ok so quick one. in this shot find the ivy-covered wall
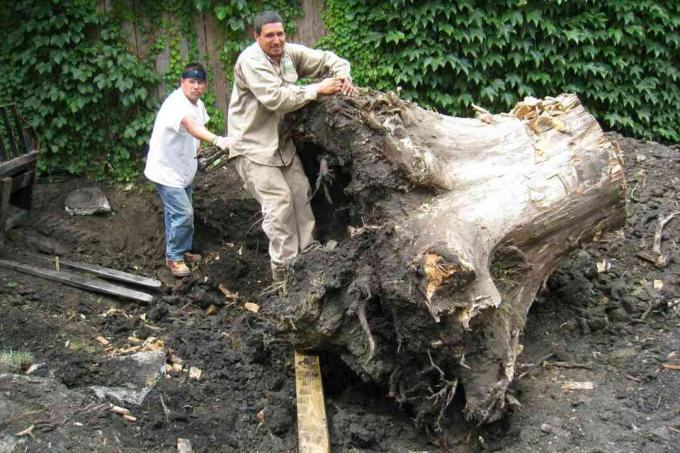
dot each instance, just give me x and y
(92, 96)
(621, 57)
(85, 95)
(85, 73)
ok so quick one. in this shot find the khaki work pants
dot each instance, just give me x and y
(283, 193)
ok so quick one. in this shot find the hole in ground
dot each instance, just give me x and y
(330, 204)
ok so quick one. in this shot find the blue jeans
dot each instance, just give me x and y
(179, 220)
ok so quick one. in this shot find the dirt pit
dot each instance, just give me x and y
(600, 371)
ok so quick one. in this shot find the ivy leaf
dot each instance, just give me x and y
(75, 103)
(43, 67)
(236, 24)
(644, 115)
(636, 31)
(395, 36)
(574, 35)
(447, 29)
(222, 11)
(465, 99)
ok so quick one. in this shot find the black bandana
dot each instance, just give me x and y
(194, 74)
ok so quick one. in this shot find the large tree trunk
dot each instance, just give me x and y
(446, 229)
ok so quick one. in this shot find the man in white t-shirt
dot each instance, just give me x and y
(172, 164)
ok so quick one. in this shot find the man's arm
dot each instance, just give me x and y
(202, 133)
(317, 63)
(266, 86)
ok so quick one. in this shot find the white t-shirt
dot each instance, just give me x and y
(172, 150)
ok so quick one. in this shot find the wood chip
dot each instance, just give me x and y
(119, 410)
(172, 358)
(129, 417)
(658, 284)
(603, 266)
(184, 446)
(671, 366)
(153, 344)
(134, 340)
(210, 310)
(647, 256)
(27, 432)
(195, 373)
(251, 307)
(227, 294)
(128, 350)
(103, 341)
(587, 385)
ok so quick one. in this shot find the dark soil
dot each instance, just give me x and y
(613, 327)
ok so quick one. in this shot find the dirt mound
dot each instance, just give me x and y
(606, 319)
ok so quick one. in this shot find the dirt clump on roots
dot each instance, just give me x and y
(598, 372)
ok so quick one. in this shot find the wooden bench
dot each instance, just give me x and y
(18, 161)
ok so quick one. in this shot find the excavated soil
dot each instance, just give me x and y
(600, 370)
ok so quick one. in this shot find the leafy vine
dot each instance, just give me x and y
(620, 57)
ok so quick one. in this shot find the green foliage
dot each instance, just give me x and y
(620, 57)
(236, 18)
(92, 101)
(89, 99)
(15, 361)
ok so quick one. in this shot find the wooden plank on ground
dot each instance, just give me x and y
(78, 281)
(311, 410)
(112, 274)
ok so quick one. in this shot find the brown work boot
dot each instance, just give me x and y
(192, 258)
(178, 268)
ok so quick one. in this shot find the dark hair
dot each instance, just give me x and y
(266, 17)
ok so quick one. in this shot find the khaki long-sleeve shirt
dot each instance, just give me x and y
(265, 91)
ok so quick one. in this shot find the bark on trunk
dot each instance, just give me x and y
(446, 229)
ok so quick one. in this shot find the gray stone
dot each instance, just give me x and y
(361, 437)
(142, 369)
(618, 315)
(10, 443)
(597, 322)
(619, 357)
(550, 429)
(618, 289)
(87, 201)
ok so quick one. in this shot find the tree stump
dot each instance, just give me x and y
(446, 228)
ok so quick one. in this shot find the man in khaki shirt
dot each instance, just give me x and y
(264, 91)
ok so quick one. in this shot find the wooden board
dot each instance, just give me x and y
(18, 164)
(112, 274)
(5, 194)
(14, 217)
(311, 411)
(78, 281)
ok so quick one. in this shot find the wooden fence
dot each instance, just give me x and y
(210, 39)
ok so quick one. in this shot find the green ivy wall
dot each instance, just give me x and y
(620, 56)
(69, 66)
